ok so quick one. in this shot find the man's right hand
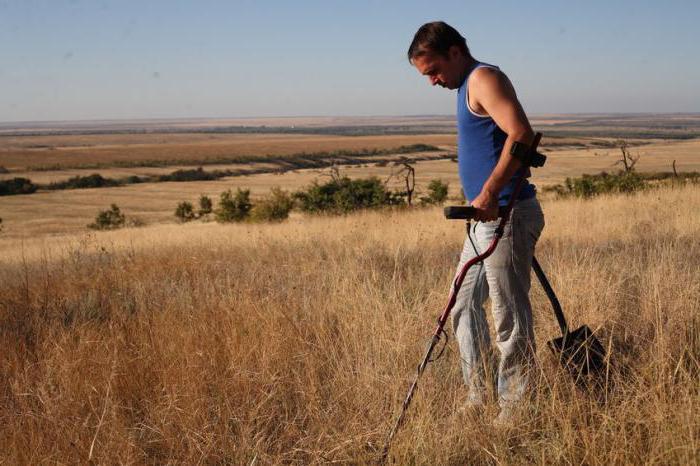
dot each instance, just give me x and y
(486, 206)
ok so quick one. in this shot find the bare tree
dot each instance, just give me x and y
(409, 177)
(333, 172)
(627, 160)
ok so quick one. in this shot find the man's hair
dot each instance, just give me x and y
(436, 37)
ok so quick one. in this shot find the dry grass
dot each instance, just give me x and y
(295, 343)
(656, 156)
(68, 211)
(264, 165)
(61, 212)
(17, 154)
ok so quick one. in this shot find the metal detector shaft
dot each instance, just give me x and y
(456, 285)
(436, 334)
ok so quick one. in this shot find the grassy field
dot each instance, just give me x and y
(295, 343)
(23, 154)
(61, 212)
(54, 152)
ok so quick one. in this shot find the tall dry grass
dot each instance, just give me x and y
(295, 343)
(104, 151)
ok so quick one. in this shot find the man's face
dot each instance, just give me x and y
(444, 71)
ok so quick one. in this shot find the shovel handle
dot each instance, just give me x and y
(561, 320)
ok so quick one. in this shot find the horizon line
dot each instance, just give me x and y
(7, 123)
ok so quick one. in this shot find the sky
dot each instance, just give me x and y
(103, 59)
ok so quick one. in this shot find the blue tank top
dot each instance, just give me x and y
(479, 145)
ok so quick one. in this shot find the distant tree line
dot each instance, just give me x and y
(356, 130)
(298, 161)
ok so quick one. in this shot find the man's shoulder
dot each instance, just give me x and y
(485, 75)
(486, 82)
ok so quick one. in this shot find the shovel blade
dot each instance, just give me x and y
(580, 352)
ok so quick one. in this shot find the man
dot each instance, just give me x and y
(489, 120)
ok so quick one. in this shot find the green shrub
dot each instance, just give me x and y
(437, 192)
(680, 177)
(581, 187)
(82, 182)
(109, 219)
(416, 148)
(273, 208)
(197, 174)
(342, 195)
(133, 179)
(184, 211)
(17, 186)
(205, 205)
(359, 194)
(587, 186)
(233, 208)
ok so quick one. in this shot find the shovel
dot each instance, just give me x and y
(579, 351)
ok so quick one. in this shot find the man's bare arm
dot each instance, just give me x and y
(494, 95)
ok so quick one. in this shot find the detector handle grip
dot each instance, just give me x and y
(467, 212)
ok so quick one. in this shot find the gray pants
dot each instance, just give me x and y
(505, 277)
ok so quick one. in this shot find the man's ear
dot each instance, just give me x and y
(454, 52)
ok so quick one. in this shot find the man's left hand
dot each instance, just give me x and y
(486, 207)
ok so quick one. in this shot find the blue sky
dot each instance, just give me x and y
(103, 59)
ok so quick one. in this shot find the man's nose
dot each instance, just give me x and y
(433, 80)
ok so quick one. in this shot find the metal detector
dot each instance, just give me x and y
(529, 157)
